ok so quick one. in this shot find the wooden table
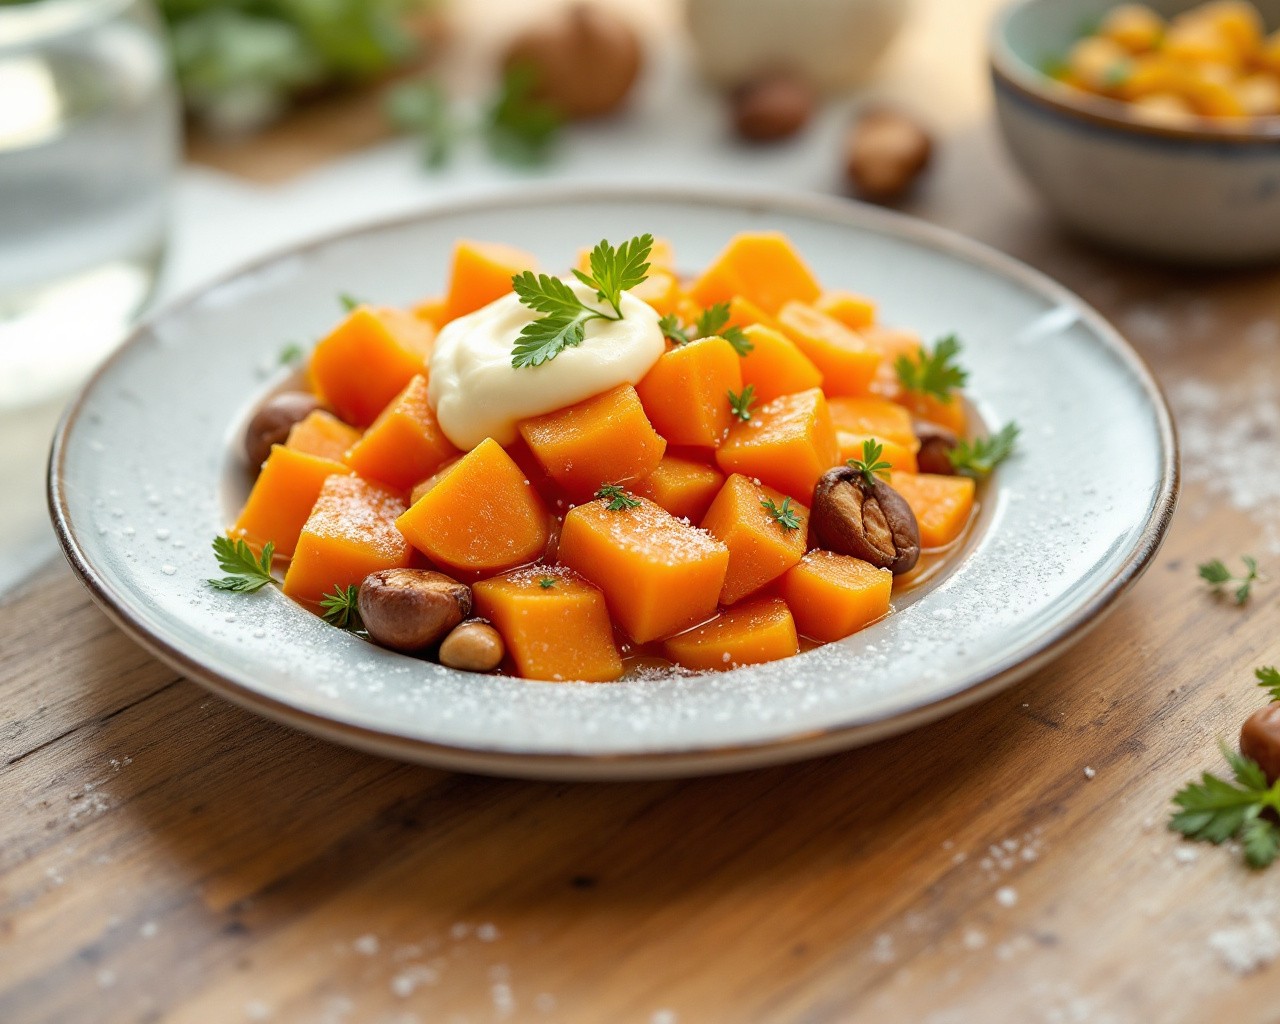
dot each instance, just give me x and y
(167, 856)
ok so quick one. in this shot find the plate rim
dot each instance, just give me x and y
(676, 762)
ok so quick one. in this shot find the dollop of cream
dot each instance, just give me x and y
(477, 393)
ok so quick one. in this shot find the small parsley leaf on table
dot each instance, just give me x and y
(1268, 677)
(1214, 810)
(341, 607)
(933, 372)
(1218, 576)
(246, 572)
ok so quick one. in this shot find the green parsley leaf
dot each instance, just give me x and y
(290, 354)
(350, 302)
(736, 337)
(670, 327)
(785, 515)
(871, 465)
(1269, 679)
(933, 372)
(618, 499)
(711, 319)
(741, 402)
(547, 582)
(1218, 576)
(977, 458)
(422, 108)
(614, 271)
(545, 294)
(1215, 810)
(246, 572)
(543, 340)
(341, 607)
(520, 128)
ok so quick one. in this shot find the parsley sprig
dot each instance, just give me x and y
(740, 402)
(1269, 679)
(246, 572)
(349, 302)
(871, 464)
(710, 323)
(1214, 810)
(613, 271)
(977, 458)
(619, 500)
(547, 582)
(341, 607)
(933, 372)
(1219, 577)
(785, 515)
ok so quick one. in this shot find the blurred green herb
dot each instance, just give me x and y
(1214, 810)
(341, 607)
(421, 108)
(291, 354)
(1218, 576)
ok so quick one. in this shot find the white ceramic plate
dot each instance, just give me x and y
(144, 474)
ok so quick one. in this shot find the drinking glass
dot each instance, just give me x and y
(89, 137)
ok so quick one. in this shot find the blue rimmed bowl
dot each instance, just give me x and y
(1206, 194)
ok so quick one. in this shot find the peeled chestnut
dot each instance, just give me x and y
(411, 609)
(273, 421)
(870, 521)
(886, 152)
(583, 59)
(936, 445)
(772, 106)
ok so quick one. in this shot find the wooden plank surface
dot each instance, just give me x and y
(167, 856)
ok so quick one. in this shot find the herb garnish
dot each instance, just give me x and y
(349, 301)
(547, 582)
(1215, 810)
(740, 403)
(341, 608)
(247, 572)
(613, 271)
(710, 323)
(977, 458)
(933, 372)
(1218, 576)
(618, 499)
(290, 354)
(871, 465)
(1269, 679)
(785, 515)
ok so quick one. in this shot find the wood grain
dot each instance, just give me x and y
(165, 856)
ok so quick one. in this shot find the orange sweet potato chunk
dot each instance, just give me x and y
(763, 268)
(751, 633)
(847, 362)
(949, 414)
(480, 273)
(874, 417)
(760, 547)
(890, 342)
(368, 359)
(661, 289)
(322, 433)
(686, 394)
(606, 439)
(854, 311)
(350, 533)
(482, 515)
(431, 310)
(659, 575)
(775, 366)
(743, 313)
(787, 444)
(405, 444)
(901, 457)
(683, 487)
(282, 498)
(832, 596)
(555, 624)
(942, 504)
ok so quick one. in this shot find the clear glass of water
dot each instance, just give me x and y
(89, 143)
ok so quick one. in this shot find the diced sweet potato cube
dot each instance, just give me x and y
(659, 575)
(282, 498)
(482, 515)
(744, 313)
(350, 533)
(875, 417)
(686, 394)
(854, 311)
(661, 257)
(555, 624)
(949, 414)
(901, 457)
(683, 487)
(432, 311)
(848, 363)
(775, 366)
(751, 633)
(763, 268)
(891, 343)
(405, 443)
(833, 596)
(368, 359)
(661, 290)
(788, 443)
(762, 546)
(480, 273)
(942, 504)
(606, 439)
(421, 488)
(322, 433)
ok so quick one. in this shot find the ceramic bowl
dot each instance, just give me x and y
(1207, 194)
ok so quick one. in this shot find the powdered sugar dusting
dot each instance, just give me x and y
(1250, 945)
